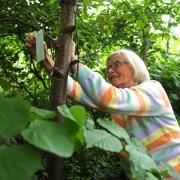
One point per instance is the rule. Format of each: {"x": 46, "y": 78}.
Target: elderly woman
{"x": 136, "y": 103}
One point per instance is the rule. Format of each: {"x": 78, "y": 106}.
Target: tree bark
{"x": 63, "y": 52}
{"x": 59, "y": 80}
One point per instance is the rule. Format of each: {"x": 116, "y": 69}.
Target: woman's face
{"x": 119, "y": 73}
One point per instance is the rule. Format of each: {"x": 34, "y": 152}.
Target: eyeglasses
{"x": 116, "y": 64}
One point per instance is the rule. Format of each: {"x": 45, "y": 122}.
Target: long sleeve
{"x": 146, "y": 99}
{"x": 76, "y": 93}
{"x": 143, "y": 110}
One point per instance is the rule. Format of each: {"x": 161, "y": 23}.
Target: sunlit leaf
{"x": 103, "y": 140}
{"x": 75, "y": 129}
{"x": 140, "y": 159}
{"x": 79, "y": 114}
{"x": 114, "y": 128}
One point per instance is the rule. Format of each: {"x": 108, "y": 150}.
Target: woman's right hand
{"x": 48, "y": 62}
{"x": 31, "y": 43}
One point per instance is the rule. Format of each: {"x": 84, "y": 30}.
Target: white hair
{"x": 141, "y": 73}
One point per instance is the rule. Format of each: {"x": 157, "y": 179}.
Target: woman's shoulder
{"x": 152, "y": 87}
{"x": 150, "y": 84}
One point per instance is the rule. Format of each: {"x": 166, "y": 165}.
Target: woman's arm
{"x": 75, "y": 93}
{"x": 74, "y": 90}
{"x": 146, "y": 99}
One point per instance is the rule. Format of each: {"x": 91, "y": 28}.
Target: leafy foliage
{"x": 102, "y": 27}
{"x": 63, "y": 140}
{"x": 20, "y": 161}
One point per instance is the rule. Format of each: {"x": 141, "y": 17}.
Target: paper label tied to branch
{"x": 40, "y": 46}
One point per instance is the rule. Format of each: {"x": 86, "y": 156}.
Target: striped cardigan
{"x": 143, "y": 110}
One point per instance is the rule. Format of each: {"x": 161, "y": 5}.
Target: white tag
{"x": 40, "y": 45}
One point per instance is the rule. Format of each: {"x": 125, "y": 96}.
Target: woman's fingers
{"x": 28, "y": 45}
{"x": 31, "y": 43}
{"x": 31, "y": 39}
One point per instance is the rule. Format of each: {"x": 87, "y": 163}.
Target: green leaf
{"x": 145, "y": 18}
{"x": 137, "y": 145}
{"x": 89, "y": 123}
{"x": 4, "y": 84}
{"x": 136, "y": 171}
{"x": 37, "y": 113}
{"x": 19, "y": 162}
{"x": 79, "y": 114}
{"x": 150, "y": 176}
{"x": 78, "y": 139}
{"x": 174, "y": 96}
{"x": 71, "y": 126}
{"x": 140, "y": 159}
{"x": 170, "y": 170}
{"x": 14, "y": 116}
{"x": 74, "y": 122}
{"x": 68, "y": 120}
{"x": 114, "y": 128}
{"x": 51, "y": 2}
{"x": 63, "y": 109}
{"x": 49, "y": 136}
{"x": 139, "y": 22}
{"x": 103, "y": 140}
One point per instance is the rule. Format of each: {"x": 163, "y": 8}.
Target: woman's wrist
{"x": 74, "y": 65}
{"x": 74, "y": 62}
{"x": 48, "y": 63}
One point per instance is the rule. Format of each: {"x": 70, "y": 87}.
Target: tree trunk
{"x": 59, "y": 81}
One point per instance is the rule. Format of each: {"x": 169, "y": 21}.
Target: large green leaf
{"x": 68, "y": 119}
{"x": 78, "y": 139}
{"x": 150, "y": 176}
{"x": 37, "y": 113}
{"x": 140, "y": 162}
{"x": 73, "y": 117}
{"x": 73, "y": 120}
{"x": 114, "y": 128}
{"x": 14, "y": 116}
{"x": 136, "y": 171}
{"x": 63, "y": 109}
{"x": 102, "y": 139}
{"x": 170, "y": 170}
{"x": 140, "y": 159}
{"x": 137, "y": 145}
{"x": 49, "y": 136}
{"x": 19, "y": 162}
{"x": 79, "y": 114}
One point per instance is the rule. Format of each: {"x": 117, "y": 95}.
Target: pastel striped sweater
{"x": 143, "y": 110}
